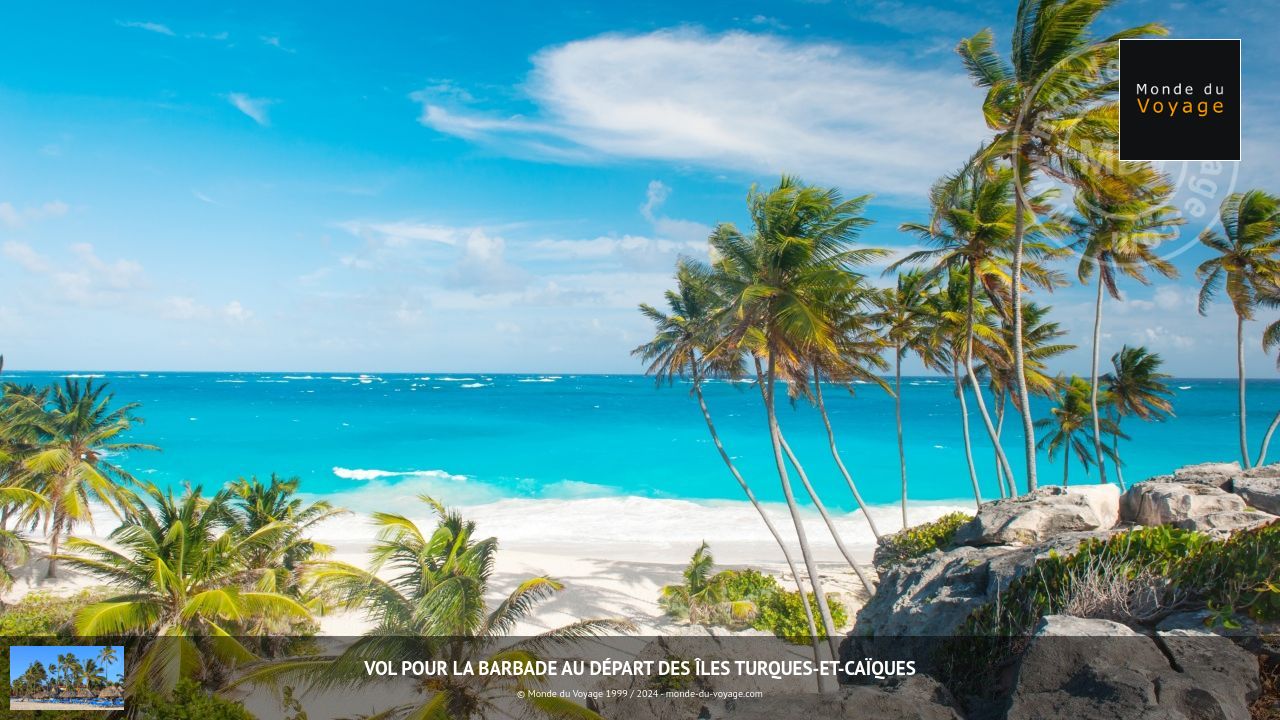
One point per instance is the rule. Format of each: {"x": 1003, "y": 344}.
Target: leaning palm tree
{"x": 1247, "y": 264}
{"x": 1135, "y": 388}
{"x": 1051, "y": 106}
{"x": 902, "y": 316}
{"x": 1119, "y": 237}
{"x": 799, "y": 252}
{"x": 1067, "y": 429}
{"x": 79, "y": 434}
{"x": 971, "y": 227}
{"x": 950, "y": 309}
{"x": 1040, "y": 344}
{"x": 426, "y": 593}
{"x": 685, "y": 335}
{"x": 177, "y": 572}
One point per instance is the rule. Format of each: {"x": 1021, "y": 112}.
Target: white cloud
{"x": 237, "y": 313}
{"x": 13, "y": 217}
{"x": 750, "y": 102}
{"x": 182, "y": 309}
{"x": 203, "y": 198}
{"x": 154, "y": 27}
{"x": 26, "y": 257}
{"x": 81, "y": 278}
{"x": 255, "y": 108}
{"x": 274, "y": 41}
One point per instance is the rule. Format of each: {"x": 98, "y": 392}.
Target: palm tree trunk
{"x": 835, "y": 453}
{"x": 1066, "y": 465}
{"x": 1006, "y": 480}
{"x": 55, "y": 535}
{"x": 806, "y": 552}
{"x": 1266, "y": 439}
{"x": 1019, "y": 356}
{"x": 826, "y": 518}
{"x": 897, "y": 412}
{"x": 777, "y": 536}
{"x": 1093, "y": 380}
{"x": 964, "y": 427}
{"x": 973, "y": 377}
{"x": 1115, "y": 450}
{"x": 1244, "y": 436}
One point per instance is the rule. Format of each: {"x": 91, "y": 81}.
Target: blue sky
{"x": 21, "y": 657}
{"x": 444, "y": 187}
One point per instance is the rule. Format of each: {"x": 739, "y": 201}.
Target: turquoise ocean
{"x": 472, "y": 438}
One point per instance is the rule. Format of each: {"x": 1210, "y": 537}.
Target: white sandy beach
{"x": 612, "y": 554}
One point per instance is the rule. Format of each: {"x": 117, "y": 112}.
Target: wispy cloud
{"x": 14, "y": 217}
{"x": 255, "y": 108}
{"x": 154, "y": 27}
{"x": 82, "y": 277}
{"x": 742, "y": 101}
{"x": 274, "y": 41}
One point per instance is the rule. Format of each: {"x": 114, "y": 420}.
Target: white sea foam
{"x": 232, "y": 382}
{"x": 454, "y": 379}
{"x": 473, "y": 385}
{"x": 83, "y": 375}
{"x": 1184, "y": 387}
{"x": 587, "y": 518}
{"x": 300, "y": 377}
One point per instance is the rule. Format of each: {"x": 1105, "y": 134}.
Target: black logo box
{"x": 1187, "y": 68}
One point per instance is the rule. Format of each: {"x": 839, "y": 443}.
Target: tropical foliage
{"x": 427, "y": 595}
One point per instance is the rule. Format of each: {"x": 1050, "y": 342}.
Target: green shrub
{"x": 189, "y": 702}
{"x": 45, "y": 614}
{"x": 920, "y": 540}
{"x": 730, "y": 598}
{"x": 783, "y": 615}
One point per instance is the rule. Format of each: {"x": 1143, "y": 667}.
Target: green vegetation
{"x": 426, "y": 593}
{"x": 730, "y": 598}
{"x": 738, "y": 599}
{"x": 188, "y": 701}
{"x": 46, "y": 614}
{"x": 920, "y": 540}
{"x": 782, "y": 614}
{"x": 1138, "y": 578}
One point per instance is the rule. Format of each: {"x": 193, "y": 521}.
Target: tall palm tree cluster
{"x": 787, "y": 303}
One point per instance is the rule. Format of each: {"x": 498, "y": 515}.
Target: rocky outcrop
{"x": 1222, "y": 524}
{"x": 1077, "y": 668}
{"x": 1040, "y": 515}
{"x": 1260, "y": 488}
{"x": 1164, "y": 503}
{"x": 932, "y": 595}
{"x": 1213, "y": 474}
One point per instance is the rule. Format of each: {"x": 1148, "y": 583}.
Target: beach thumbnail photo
{"x": 66, "y": 677}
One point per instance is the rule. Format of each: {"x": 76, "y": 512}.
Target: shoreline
{"x": 612, "y": 554}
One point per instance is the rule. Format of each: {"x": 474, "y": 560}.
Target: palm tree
{"x": 1136, "y": 388}
{"x": 859, "y": 356}
{"x": 1067, "y": 429}
{"x": 276, "y": 567}
{"x": 426, "y": 594}
{"x": 799, "y": 252}
{"x": 1120, "y": 237}
{"x": 91, "y": 675}
{"x": 949, "y": 308}
{"x": 1247, "y": 265}
{"x": 177, "y": 569}
{"x": 15, "y": 548}
{"x": 902, "y": 316}
{"x": 1039, "y": 345}
{"x": 1052, "y": 108}
{"x": 686, "y": 335}
{"x": 972, "y": 228}
{"x": 697, "y": 594}
{"x": 73, "y": 464}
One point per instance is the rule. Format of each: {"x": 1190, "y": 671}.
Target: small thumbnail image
{"x": 66, "y": 677}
